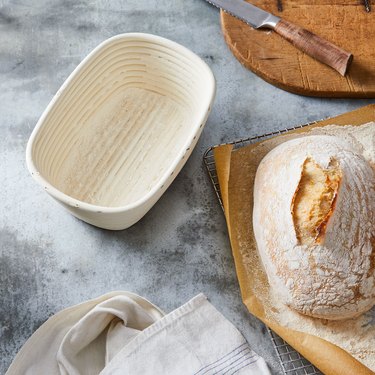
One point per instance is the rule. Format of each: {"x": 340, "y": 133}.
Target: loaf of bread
{"x": 314, "y": 225}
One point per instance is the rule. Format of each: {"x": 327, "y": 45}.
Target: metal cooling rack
{"x": 291, "y": 361}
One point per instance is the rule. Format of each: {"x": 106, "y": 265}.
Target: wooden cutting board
{"x": 344, "y": 22}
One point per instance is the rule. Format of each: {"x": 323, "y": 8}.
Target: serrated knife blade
{"x": 247, "y": 12}
{"x": 313, "y": 45}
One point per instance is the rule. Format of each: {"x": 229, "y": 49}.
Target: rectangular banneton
{"x": 121, "y": 127}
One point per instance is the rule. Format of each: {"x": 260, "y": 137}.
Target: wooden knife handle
{"x": 315, "y": 46}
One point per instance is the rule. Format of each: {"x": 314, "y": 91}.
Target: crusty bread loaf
{"x": 313, "y": 218}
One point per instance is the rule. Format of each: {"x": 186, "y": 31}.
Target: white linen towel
{"x": 121, "y": 333}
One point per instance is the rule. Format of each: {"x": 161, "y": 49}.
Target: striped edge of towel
{"x": 229, "y": 364}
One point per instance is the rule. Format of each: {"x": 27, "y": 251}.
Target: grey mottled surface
{"x": 48, "y": 259}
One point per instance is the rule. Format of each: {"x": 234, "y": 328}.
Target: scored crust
{"x": 314, "y": 200}
{"x": 313, "y": 219}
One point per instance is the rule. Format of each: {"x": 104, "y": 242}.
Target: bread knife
{"x": 313, "y": 45}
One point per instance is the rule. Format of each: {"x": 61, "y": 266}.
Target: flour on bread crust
{"x": 319, "y": 256}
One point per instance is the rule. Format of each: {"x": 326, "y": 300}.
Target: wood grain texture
{"x": 316, "y": 47}
{"x": 344, "y": 23}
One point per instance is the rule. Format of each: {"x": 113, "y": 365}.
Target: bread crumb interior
{"x": 314, "y": 200}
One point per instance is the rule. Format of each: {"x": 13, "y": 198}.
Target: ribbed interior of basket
{"x": 120, "y": 124}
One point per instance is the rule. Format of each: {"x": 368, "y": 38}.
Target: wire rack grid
{"x": 291, "y": 361}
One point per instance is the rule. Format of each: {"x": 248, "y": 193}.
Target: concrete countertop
{"x": 48, "y": 259}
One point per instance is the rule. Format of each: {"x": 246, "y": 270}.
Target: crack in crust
{"x": 314, "y": 200}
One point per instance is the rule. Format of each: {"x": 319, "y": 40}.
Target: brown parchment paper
{"x": 236, "y": 172}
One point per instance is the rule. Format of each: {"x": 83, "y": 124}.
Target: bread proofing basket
{"x": 120, "y": 128}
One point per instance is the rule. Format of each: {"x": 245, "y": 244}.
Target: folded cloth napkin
{"x": 121, "y": 333}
